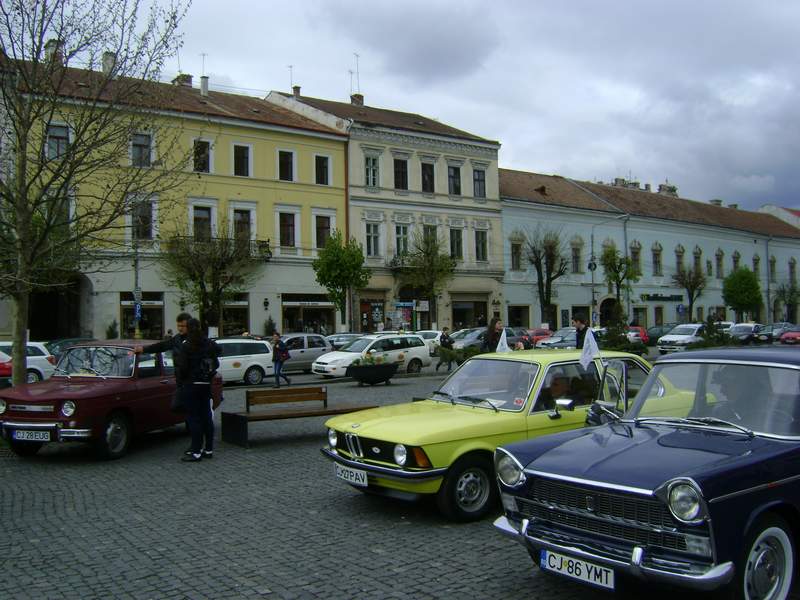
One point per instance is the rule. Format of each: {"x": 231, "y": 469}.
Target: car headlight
{"x": 508, "y": 469}
{"x": 684, "y": 502}
{"x": 400, "y": 454}
{"x": 68, "y": 408}
{"x": 333, "y": 437}
{"x": 2, "y": 406}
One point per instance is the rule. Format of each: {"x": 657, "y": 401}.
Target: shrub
{"x": 112, "y": 331}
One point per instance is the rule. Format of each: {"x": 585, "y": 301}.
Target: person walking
{"x": 280, "y": 354}
{"x": 197, "y": 364}
{"x": 580, "y": 331}
{"x": 446, "y": 344}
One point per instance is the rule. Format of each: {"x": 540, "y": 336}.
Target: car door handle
{"x": 164, "y": 381}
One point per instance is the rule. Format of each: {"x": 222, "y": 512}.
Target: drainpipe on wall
{"x": 350, "y": 298}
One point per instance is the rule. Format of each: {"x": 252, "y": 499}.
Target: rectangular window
{"x": 772, "y": 270}
{"x": 401, "y": 239}
{"x": 427, "y": 178}
{"x": 287, "y": 229}
{"x": 373, "y": 239}
{"x": 456, "y": 244}
{"x": 202, "y": 223}
{"x": 242, "y": 227}
{"x": 698, "y": 263}
{"x": 140, "y": 150}
{"x": 142, "y": 221}
{"x": 400, "y": 174}
{"x": 792, "y": 272}
{"x": 709, "y": 269}
{"x": 479, "y": 183}
{"x": 429, "y": 232}
{"x": 480, "y": 246}
{"x": 516, "y": 256}
{"x": 371, "y": 171}
{"x": 322, "y": 170}
{"x": 636, "y": 259}
{"x": 756, "y": 266}
{"x": 202, "y": 156}
{"x": 658, "y": 313}
{"x": 454, "y": 181}
{"x": 657, "y": 264}
{"x": 241, "y": 161}
{"x": 735, "y": 260}
{"x": 576, "y": 259}
{"x": 323, "y": 227}
{"x": 57, "y": 141}
{"x": 679, "y": 262}
{"x": 286, "y": 165}
{"x": 720, "y": 267}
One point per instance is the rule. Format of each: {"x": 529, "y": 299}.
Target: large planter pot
{"x": 372, "y": 374}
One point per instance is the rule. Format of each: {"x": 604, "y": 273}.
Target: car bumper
{"x": 672, "y": 348}
{"x": 330, "y": 371}
{"x": 58, "y": 433}
{"x": 707, "y": 579}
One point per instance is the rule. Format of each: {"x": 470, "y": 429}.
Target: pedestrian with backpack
{"x": 280, "y": 354}
{"x": 197, "y": 364}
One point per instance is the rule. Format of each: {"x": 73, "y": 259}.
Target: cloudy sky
{"x": 702, "y": 93}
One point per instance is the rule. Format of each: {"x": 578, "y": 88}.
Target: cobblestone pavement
{"x": 266, "y": 522}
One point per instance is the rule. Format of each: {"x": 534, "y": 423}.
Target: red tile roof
{"x": 795, "y": 212}
{"x": 559, "y": 191}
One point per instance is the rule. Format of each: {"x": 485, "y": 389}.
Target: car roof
{"x": 773, "y": 354}
{"x": 240, "y": 340}
{"x": 126, "y": 343}
{"x": 552, "y": 355}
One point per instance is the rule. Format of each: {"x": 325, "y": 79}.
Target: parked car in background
{"x": 680, "y": 337}
{"x": 697, "y": 485}
{"x": 431, "y": 338}
{"x": 407, "y": 350}
{"x": 442, "y": 446}
{"x": 5, "y": 370}
{"x": 245, "y": 359}
{"x": 772, "y": 332}
{"x": 724, "y": 325}
{"x": 655, "y": 332}
{"x": 41, "y": 363}
{"x": 791, "y": 335}
{"x": 539, "y": 334}
{"x": 101, "y": 393}
{"x": 337, "y": 340}
{"x": 57, "y": 347}
{"x": 555, "y": 340}
{"x": 474, "y": 337}
{"x": 641, "y": 332}
{"x": 304, "y": 349}
{"x": 745, "y": 333}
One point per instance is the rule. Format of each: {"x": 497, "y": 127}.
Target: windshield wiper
{"x": 95, "y": 371}
{"x": 64, "y": 371}
{"x": 446, "y": 395}
{"x": 716, "y": 421}
{"x": 476, "y": 399}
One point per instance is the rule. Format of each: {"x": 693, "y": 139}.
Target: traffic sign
{"x": 137, "y": 310}
{"x": 137, "y": 294}
{"x": 592, "y": 265}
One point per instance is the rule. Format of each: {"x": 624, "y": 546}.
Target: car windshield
{"x": 741, "y": 329}
{"x": 104, "y": 361}
{"x": 461, "y": 333}
{"x": 760, "y": 398}
{"x": 490, "y": 384}
{"x": 562, "y": 332}
{"x": 357, "y": 345}
{"x": 684, "y": 330}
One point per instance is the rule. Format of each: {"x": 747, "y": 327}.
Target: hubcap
{"x": 33, "y": 378}
{"x": 472, "y": 490}
{"x": 765, "y": 570}
{"x": 116, "y": 436}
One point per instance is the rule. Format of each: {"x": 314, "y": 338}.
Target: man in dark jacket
{"x": 580, "y": 331}
{"x": 172, "y": 344}
{"x": 446, "y": 342}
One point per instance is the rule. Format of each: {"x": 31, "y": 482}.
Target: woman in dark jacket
{"x": 492, "y": 335}
{"x": 279, "y": 351}
{"x": 196, "y": 364}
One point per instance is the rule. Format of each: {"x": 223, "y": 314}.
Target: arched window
{"x": 656, "y": 250}
{"x": 720, "y": 266}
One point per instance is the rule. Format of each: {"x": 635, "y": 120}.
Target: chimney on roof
{"x": 296, "y": 91}
{"x": 668, "y": 189}
{"x": 733, "y": 206}
{"x": 357, "y": 99}
{"x": 647, "y": 187}
{"x": 109, "y": 62}
{"x": 54, "y": 50}
{"x": 184, "y": 79}
{"x": 619, "y": 182}
{"x": 716, "y": 202}
{"x": 204, "y": 85}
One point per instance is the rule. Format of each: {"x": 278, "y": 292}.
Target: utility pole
{"x": 137, "y": 290}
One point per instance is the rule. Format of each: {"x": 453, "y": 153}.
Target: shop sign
{"x": 324, "y": 304}
{"x": 661, "y": 298}
{"x": 143, "y": 303}
{"x": 422, "y": 306}
{"x": 404, "y": 304}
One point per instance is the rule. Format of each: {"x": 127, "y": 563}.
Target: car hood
{"x": 646, "y": 456}
{"x": 426, "y": 422}
{"x": 677, "y": 338}
{"x": 61, "y": 388}
{"x": 329, "y": 357}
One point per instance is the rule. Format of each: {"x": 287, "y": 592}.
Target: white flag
{"x": 590, "y": 349}
{"x": 502, "y": 344}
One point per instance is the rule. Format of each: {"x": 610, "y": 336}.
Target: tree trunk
{"x": 19, "y": 364}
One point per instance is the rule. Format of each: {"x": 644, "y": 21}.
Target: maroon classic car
{"x": 101, "y": 393}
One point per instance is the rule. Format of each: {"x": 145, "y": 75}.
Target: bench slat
{"x": 273, "y": 416}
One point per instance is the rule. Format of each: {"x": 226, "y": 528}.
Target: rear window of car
{"x": 428, "y": 335}
{"x": 413, "y": 342}
{"x": 29, "y": 350}
{"x": 254, "y": 348}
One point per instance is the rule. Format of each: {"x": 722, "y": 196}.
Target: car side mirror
{"x": 565, "y": 404}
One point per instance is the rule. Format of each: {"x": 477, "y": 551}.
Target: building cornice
{"x": 423, "y": 142}
{"x": 382, "y": 203}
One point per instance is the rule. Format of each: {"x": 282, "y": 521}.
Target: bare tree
{"x": 693, "y": 281}
{"x": 619, "y": 270}
{"x": 547, "y": 252}
{"x": 70, "y": 171}
{"x": 789, "y": 296}
{"x": 210, "y": 270}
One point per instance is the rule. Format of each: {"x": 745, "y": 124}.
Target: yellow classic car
{"x": 443, "y": 445}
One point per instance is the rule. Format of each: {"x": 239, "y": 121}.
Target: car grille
{"x": 625, "y": 517}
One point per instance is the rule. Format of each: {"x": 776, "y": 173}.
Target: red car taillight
{"x": 51, "y": 359}
{"x": 5, "y": 369}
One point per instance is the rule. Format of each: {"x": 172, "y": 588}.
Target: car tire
{"x": 33, "y": 376}
{"x": 414, "y": 366}
{"x": 25, "y": 448}
{"x": 767, "y": 564}
{"x": 253, "y": 376}
{"x": 468, "y": 491}
{"x": 116, "y": 437}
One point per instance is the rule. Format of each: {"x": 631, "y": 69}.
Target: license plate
{"x": 31, "y": 436}
{"x": 577, "y": 569}
{"x": 351, "y": 476}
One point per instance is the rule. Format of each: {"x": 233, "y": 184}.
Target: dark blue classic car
{"x": 698, "y": 484}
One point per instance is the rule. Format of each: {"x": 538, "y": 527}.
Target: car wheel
{"x": 253, "y": 376}
{"x": 468, "y": 490}
{"x": 766, "y": 568}
{"x": 116, "y": 437}
{"x": 25, "y": 448}
{"x": 415, "y": 366}
{"x": 33, "y": 376}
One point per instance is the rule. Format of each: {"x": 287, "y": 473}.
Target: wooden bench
{"x": 235, "y": 424}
